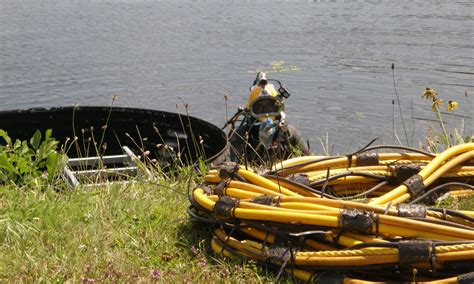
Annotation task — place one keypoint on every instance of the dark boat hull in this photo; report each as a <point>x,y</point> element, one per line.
<point>104,130</point>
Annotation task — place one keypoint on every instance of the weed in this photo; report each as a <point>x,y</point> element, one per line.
<point>34,163</point>
<point>442,139</point>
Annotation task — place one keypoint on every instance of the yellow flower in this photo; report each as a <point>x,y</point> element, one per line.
<point>429,94</point>
<point>452,105</point>
<point>436,103</point>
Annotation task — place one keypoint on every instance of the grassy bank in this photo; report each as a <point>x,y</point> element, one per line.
<point>131,232</point>
<point>125,233</point>
<point>135,232</point>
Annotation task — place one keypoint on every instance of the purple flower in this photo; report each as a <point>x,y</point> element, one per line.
<point>195,250</point>
<point>226,272</point>
<point>202,262</point>
<point>155,274</point>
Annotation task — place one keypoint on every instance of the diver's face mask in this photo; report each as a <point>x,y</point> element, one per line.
<point>267,131</point>
<point>265,106</point>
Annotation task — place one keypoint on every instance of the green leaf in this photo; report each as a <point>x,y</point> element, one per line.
<point>25,150</point>
<point>53,163</point>
<point>22,166</point>
<point>5,136</point>
<point>48,134</point>
<point>17,145</point>
<point>45,149</point>
<point>5,164</point>
<point>443,138</point>
<point>36,140</point>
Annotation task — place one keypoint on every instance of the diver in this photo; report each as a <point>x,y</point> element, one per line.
<point>263,134</point>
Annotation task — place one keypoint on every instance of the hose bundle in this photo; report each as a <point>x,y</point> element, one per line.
<point>361,216</point>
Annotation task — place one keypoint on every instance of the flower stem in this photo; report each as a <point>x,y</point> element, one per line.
<point>441,123</point>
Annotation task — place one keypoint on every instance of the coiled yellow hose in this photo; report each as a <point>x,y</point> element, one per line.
<point>279,220</point>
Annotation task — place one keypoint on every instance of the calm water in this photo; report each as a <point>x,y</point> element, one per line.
<point>336,58</point>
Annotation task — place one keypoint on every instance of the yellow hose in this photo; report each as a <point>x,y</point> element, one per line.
<point>267,214</point>
<point>425,173</point>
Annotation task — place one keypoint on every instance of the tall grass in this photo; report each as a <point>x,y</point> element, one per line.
<point>127,233</point>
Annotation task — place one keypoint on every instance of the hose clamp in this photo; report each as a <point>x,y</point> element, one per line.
<point>356,221</point>
<point>415,185</point>
<point>225,207</point>
<point>263,200</point>
<point>277,255</point>
<point>300,178</point>
<point>411,210</point>
<point>466,278</point>
<point>401,173</point>
<point>220,189</point>
<point>367,159</point>
<point>228,170</point>
<point>414,251</point>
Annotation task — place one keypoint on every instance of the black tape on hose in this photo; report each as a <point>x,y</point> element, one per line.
<point>263,200</point>
<point>401,173</point>
<point>356,221</point>
<point>300,178</point>
<point>277,255</point>
<point>411,210</point>
<point>415,185</point>
<point>225,206</point>
<point>228,170</point>
<point>206,189</point>
<point>414,251</point>
<point>220,189</point>
<point>367,159</point>
<point>467,278</point>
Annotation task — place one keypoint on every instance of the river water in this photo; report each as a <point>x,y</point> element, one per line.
<point>335,57</point>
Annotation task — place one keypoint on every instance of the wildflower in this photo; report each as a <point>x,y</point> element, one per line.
<point>226,272</point>
<point>436,103</point>
<point>238,268</point>
<point>452,105</point>
<point>155,274</point>
<point>202,262</point>
<point>430,94</point>
<point>195,250</point>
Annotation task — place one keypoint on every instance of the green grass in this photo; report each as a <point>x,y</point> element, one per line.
<point>127,233</point>
<point>462,203</point>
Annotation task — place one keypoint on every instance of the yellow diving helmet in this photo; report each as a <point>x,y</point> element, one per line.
<point>264,100</point>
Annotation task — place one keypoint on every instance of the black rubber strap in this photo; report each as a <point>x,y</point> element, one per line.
<point>278,255</point>
<point>300,178</point>
<point>225,206</point>
<point>228,170</point>
<point>356,221</point>
<point>414,251</point>
<point>220,189</point>
<point>401,173</point>
<point>467,278</point>
<point>263,200</point>
<point>367,159</point>
<point>411,210</point>
<point>415,185</point>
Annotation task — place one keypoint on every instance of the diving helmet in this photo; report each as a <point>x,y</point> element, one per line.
<point>263,99</point>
